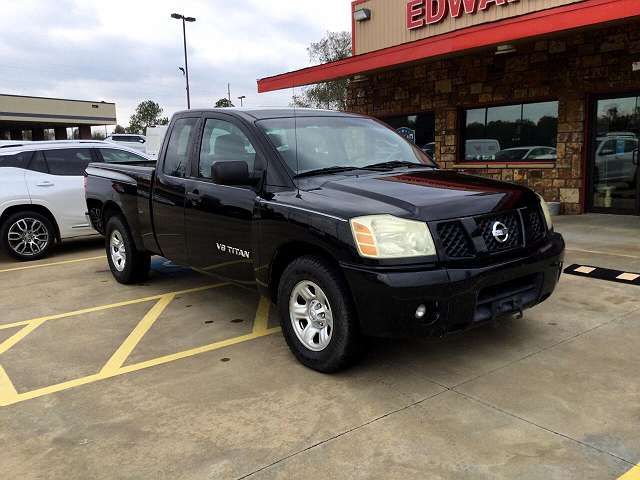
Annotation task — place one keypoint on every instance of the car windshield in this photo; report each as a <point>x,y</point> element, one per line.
<point>339,143</point>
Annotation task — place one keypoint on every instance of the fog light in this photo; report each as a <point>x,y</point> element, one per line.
<point>421,311</point>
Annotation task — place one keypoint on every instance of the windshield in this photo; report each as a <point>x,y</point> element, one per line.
<point>342,142</point>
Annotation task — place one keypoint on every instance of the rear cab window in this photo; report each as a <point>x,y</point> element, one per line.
<point>177,157</point>
<point>111,155</point>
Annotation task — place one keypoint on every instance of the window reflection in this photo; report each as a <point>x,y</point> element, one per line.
<point>615,155</point>
<point>512,133</point>
<point>419,129</point>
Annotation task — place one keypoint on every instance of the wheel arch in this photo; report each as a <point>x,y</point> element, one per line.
<point>32,207</point>
<point>290,251</point>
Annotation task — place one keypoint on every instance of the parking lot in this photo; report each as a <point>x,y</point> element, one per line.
<point>188,377</point>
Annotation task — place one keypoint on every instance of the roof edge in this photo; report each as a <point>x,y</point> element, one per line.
<point>552,20</point>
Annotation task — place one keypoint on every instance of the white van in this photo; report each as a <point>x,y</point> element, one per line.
<point>155,137</point>
<point>481,149</point>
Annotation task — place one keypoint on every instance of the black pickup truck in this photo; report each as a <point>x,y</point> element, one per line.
<point>349,228</point>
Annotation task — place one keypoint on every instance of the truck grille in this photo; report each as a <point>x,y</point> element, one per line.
<point>455,240</point>
<point>471,237</point>
<point>511,220</point>
<point>534,225</point>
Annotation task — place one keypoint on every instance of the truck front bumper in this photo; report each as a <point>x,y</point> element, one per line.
<point>453,298</point>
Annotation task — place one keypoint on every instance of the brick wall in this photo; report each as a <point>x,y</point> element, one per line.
<point>568,68</point>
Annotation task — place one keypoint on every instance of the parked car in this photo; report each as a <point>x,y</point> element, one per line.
<point>344,224</point>
<point>42,192</point>
<point>136,142</point>
<point>12,143</point>
<point>617,159</point>
<point>481,149</point>
<point>532,154</point>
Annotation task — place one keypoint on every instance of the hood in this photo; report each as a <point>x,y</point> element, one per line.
<point>420,194</point>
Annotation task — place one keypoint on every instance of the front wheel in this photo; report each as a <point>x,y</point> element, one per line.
<point>317,315</point>
<point>128,264</point>
<point>28,236</point>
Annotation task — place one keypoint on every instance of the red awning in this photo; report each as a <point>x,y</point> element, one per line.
<point>553,20</point>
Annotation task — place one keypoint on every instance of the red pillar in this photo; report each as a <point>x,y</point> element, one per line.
<point>60,133</point>
<point>37,134</point>
<point>84,132</point>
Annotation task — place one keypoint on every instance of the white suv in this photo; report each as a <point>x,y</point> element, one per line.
<point>42,192</point>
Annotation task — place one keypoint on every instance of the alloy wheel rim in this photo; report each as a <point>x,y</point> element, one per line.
<point>311,316</point>
<point>28,237</point>
<point>117,250</point>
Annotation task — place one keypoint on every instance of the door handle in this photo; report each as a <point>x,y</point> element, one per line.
<point>45,184</point>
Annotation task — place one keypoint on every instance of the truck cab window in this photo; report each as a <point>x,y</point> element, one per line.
<point>111,155</point>
<point>222,141</point>
<point>177,156</point>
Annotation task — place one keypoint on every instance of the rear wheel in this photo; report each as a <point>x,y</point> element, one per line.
<point>317,315</point>
<point>28,235</point>
<point>128,264</point>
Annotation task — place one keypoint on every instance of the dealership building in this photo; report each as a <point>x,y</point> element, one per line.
<point>544,93</point>
<point>40,118</point>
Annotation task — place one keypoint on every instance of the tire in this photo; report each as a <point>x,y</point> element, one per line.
<point>333,342</point>
<point>128,264</point>
<point>28,236</point>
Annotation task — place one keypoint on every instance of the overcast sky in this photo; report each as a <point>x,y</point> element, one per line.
<point>129,51</point>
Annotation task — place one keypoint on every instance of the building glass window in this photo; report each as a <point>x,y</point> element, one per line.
<point>420,129</point>
<point>511,133</point>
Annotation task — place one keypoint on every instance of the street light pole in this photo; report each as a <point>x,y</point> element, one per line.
<point>241,98</point>
<point>184,19</point>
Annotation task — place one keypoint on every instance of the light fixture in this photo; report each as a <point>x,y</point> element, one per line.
<point>504,49</point>
<point>362,15</point>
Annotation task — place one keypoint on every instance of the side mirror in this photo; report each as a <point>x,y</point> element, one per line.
<point>231,173</point>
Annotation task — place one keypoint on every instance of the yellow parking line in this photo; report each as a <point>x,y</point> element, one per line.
<point>9,396</point>
<point>633,474</point>
<point>123,352</point>
<point>20,335</point>
<point>64,262</point>
<point>8,392</point>
<point>107,307</point>
<point>34,323</point>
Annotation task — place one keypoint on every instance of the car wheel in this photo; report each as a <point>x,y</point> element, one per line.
<point>128,264</point>
<point>28,235</point>
<point>317,315</point>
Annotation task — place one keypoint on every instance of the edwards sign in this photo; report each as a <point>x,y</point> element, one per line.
<point>428,12</point>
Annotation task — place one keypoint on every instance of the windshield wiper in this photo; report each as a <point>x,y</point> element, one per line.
<point>397,164</point>
<point>327,170</point>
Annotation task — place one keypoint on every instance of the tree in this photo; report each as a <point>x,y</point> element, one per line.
<point>333,94</point>
<point>224,103</point>
<point>119,130</point>
<point>147,114</point>
<point>97,136</point>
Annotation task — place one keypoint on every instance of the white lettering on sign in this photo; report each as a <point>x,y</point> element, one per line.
<point>233,251</point>
<point>421,13</point>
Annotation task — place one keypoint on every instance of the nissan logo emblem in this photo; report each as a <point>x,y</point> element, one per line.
<point>500,232</point>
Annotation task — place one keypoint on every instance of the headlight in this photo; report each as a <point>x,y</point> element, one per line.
<point>386,236</point>
<point>547,212</point>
